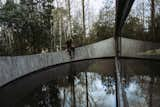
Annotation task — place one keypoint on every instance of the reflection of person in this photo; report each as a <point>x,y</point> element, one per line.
<point>70,47</point>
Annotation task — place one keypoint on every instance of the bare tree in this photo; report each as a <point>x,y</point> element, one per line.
<point>83,19</point>
<point>153,19</point>
<point>60,26</point>
<point>69,18</point>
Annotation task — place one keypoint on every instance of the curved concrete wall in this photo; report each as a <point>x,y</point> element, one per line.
<point>14,67</point>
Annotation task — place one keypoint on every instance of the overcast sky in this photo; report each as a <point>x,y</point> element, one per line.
<point>94,5</point>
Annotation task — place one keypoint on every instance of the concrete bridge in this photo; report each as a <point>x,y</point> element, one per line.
<point>12,68</point>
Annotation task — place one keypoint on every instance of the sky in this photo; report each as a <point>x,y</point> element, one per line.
<point>92,8</point>
<point>93,5</point>
<point>97,4</point>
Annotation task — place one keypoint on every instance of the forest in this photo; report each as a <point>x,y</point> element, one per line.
<point>37,26</point>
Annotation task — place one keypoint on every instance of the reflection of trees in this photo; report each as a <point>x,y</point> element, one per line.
<point>80,90</point>
<point>91,101</point>
<point>71,91</point>
<point>54,95</point>
<point>109,83</point>
<point>88,89</point>
<point>46,96</point>
<point>154,69</point>
<point>135,94</point>
<point>151,91</point>
<point>71,81</point>
<point>64,96</point>
<point>145,74</point>
<point>153,73</point>
<point>49,96</point>
<point>86,78</point>
<point>73,98</point>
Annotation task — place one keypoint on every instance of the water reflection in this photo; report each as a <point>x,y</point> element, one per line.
<point>45,96</point>
<point>71,92</point>
<point>135,95</point>
<point>86,84</point>
<point>142,83</point>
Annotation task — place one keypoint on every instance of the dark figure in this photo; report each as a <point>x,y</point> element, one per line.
<point>70,48</point>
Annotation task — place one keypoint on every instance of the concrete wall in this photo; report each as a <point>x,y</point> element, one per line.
<point>14,67</point>
<point>135,48</point>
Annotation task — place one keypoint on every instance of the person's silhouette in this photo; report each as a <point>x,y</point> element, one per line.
<point>70,48</point>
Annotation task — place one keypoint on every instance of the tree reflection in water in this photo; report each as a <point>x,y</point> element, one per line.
<point>141,90</point>
<point>45,96</point>
<point>140,81</point>
<point>109,84</point>
<point>71,92</point>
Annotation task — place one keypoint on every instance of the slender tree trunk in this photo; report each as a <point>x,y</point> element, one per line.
<point>60,33</point>
<point>117,33</point>
<point>64,95</point>
<point>83,19</point>
<point>144,38</point>
<point>69,17</point>
<point>153,19</point>
<point>151,91</point>
<point>54,38</point>
<point>87,99</point>
<point>59,15</point>
<point>73,94</point>
<point>52,32</point>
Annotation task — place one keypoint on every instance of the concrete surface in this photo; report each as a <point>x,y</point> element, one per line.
<point>14,67</point>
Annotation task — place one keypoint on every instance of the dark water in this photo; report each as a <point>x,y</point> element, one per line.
<point>141,82</point>
<point>91,82</point>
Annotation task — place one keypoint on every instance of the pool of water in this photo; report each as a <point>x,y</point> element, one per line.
<point>141,82</point>
<point>89,82</point>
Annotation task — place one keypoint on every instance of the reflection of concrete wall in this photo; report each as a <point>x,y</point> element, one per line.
<point>14,67</point>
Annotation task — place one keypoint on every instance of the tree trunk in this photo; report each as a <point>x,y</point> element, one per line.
<point>153,19</point>
<point>87,100</point>
<point>143,20</point>
<point>151,91</point>
<point>59,15</point>
<point>60,33</point>
<point>69,17</point>
<point>83,19</point>
<point>54,38</point>
<point>64,95</point>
